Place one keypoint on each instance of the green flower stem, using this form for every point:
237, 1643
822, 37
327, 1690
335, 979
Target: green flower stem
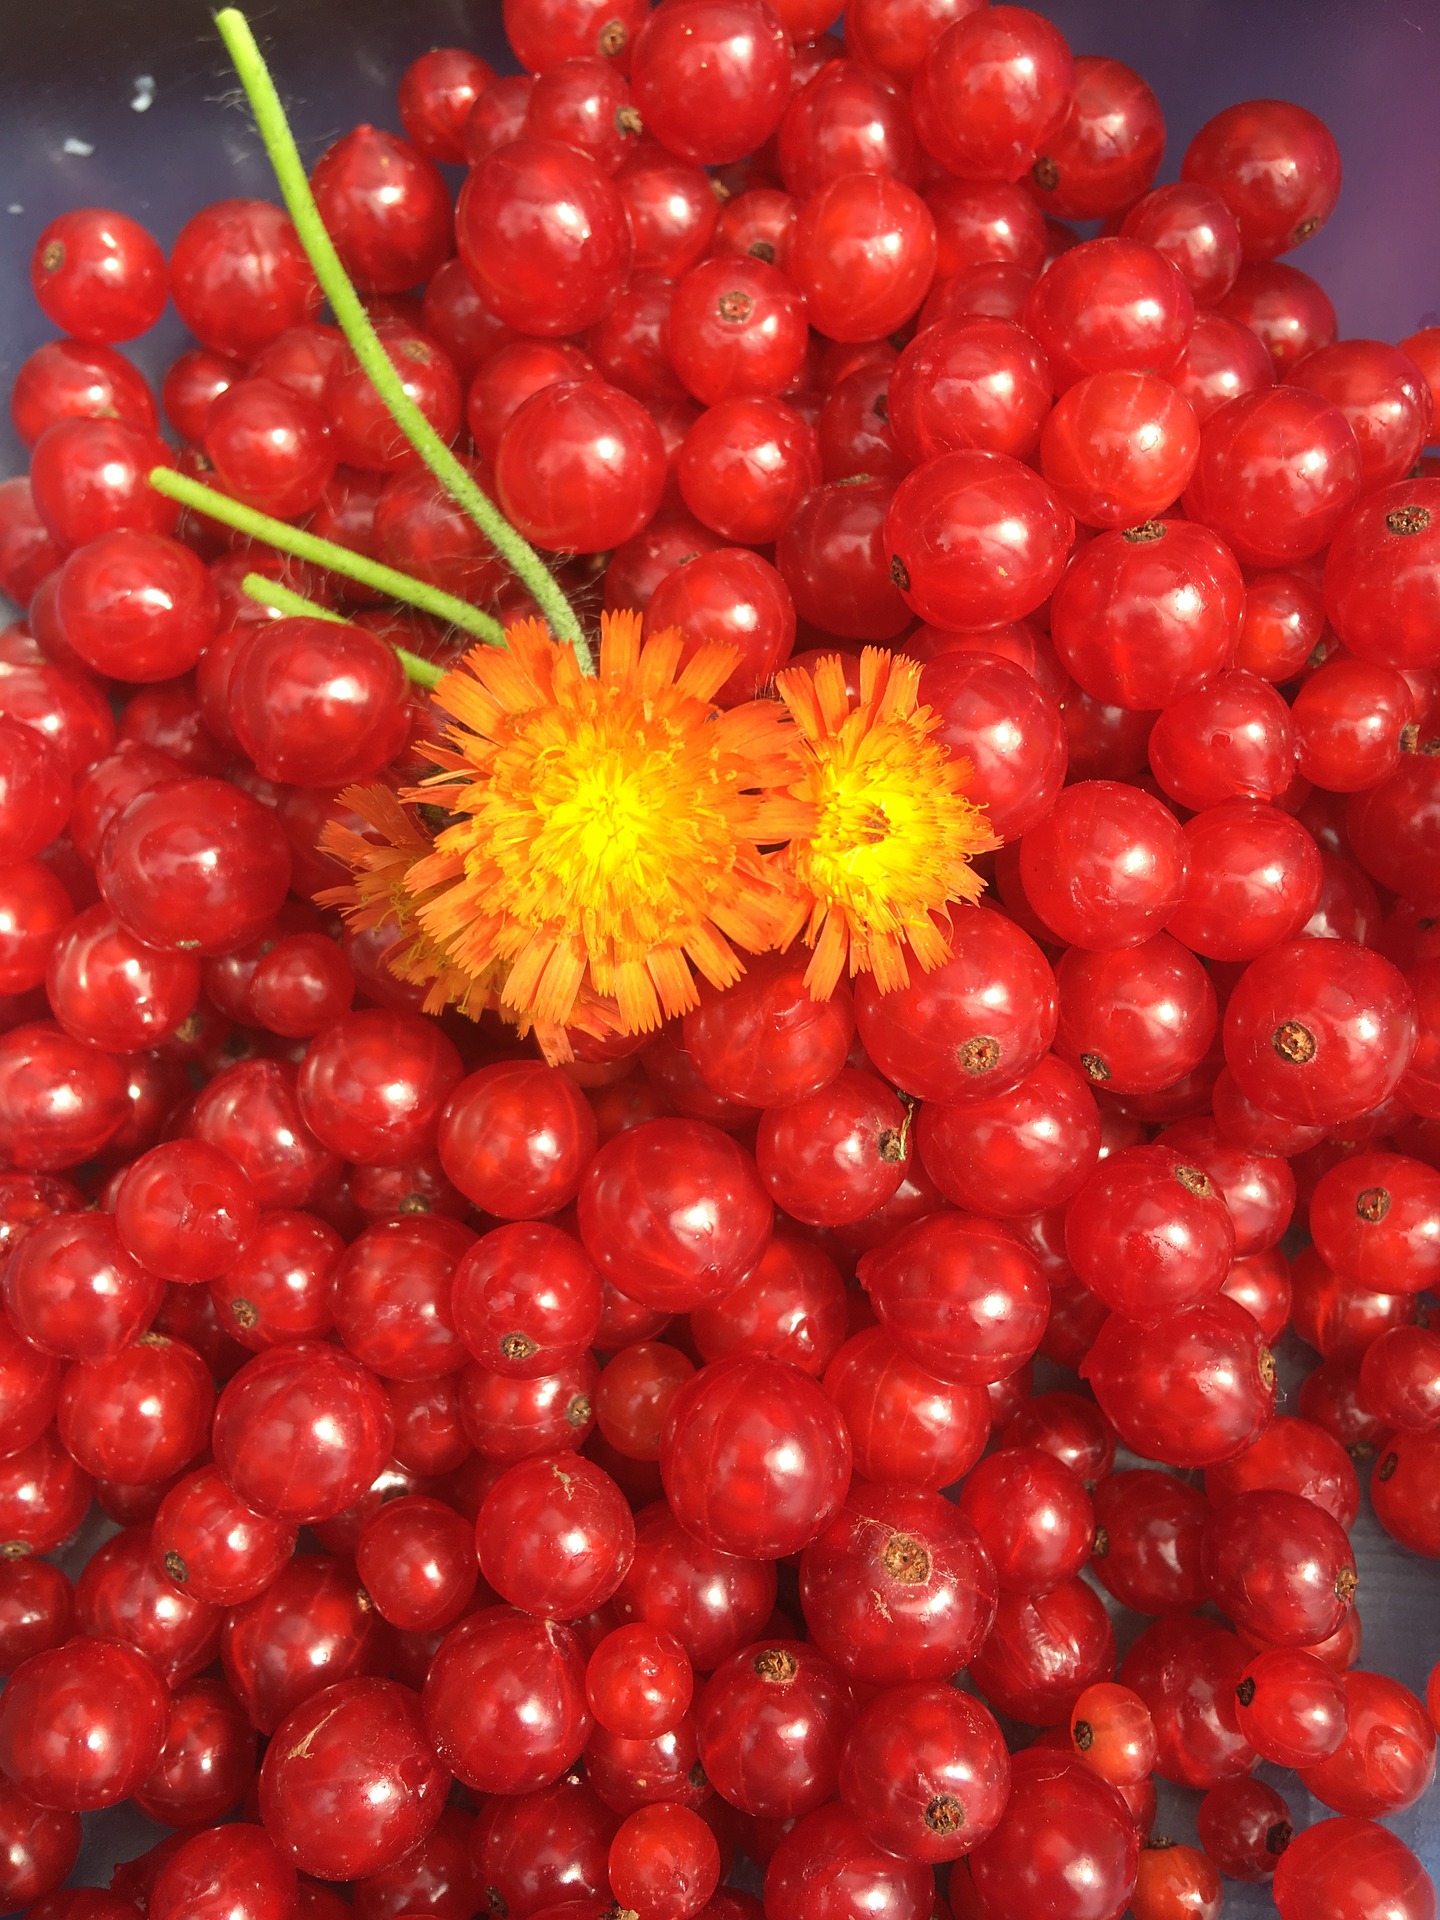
249, 64
324, 553
270, 594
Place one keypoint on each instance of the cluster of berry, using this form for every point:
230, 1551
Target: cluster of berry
664, 1427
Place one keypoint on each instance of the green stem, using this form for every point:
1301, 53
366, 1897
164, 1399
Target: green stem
249, 64
324, 553
270, 593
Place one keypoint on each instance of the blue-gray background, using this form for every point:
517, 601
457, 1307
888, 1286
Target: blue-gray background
143, 85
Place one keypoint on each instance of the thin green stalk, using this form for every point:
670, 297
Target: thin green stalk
324, 553
270, 593
249, 64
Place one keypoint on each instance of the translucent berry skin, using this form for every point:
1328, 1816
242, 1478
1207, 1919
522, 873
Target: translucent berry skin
974, 539
35, 792
1319, 1031
1279, 1566
764, 1041
1275, 165
240, 276
580, 467
743, 469
73, 1291
1339, 1868
713, 1603
833, 557
1193, 1391
993, 88
1386, 1759
1106, 867
526, 1300
91, 477
1402, 1491
1043, 1651
301, 1432
236, 1868
41, 1846
771, 1722
1382, 393
504, 1702
1229, 739
638, 1682
1119, 447
666, 1857
1376, 1217
906, 1426
1350, 720
735, 598
555, 1536
848, 119
833, 1158
197, 866
1186, 1670
1019, 1153
539, 272
930, 1570
711, 78
863, 255
1033, 1516
515, 1138
373, 1086
1277, 474
391, 1294
139, 1417
1064, 1832
1394, 830
973, 1027
1144, 617
960, 1295
1244, 1828
969, 383
184, 1210
1195, 230
925, 1773
1290, 313
350, 1783
824, 1867
507, 1419
674, 1213
212, 1545
1255, 878
1107, 149
316, 704
82, 1726
137, 606
1291, 1707
754, 1458
99, 275
386, 208
1379, 579
737, 327
1400, 1378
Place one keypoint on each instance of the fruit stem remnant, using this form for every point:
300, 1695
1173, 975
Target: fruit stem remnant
269, 593
324, 553
354, 323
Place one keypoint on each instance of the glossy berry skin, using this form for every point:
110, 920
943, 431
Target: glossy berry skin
666, 1857
213, 1546
824, 1868
386, 208
1043, 1651
184, 1210
526, 1300
391, 1293
1350, 719
991, 91
973, 1027
736, 327
1384, 396
1290, 313
226, 1871
735, 598
836, 1156
528, 1848
764, 1041
41, 1846
1255, 878
317, 704
1119, 447
73, 1291
925, 1773
136, 606
1065, 1840
123, 1596
1244, 1828
833, 557
1275, 165
672, 211
139, 1417
580, 467
240, 276
1025, 1150
555, 1536
36, 1610
790, 1306
743, 469
1379, 584
1186, 1670
929, 1568
1279, 1566
771, 1722
504, 1702
974, 539
1106, 151
1230, 739
906, 1426
91, 477
674, 1213
1291, 1707
350, 1783
507, 1419
515, 1138
114, 991
43, 1495
638, 1682
311, 1628
1387, 1757
863, 255
1319, 1031
1376, 1217
1400, 1378
543, 274
1145, 616
196, 866
1106, 867
1033, 1516
1340, 1868
711, 78
1112, 1728
301, 1432
969, 383
35, 791
98, 275
1277, 474
373, 1086
1394, 829
1195, 230
960, 1295
1193, 1391
755, 1459
82, 1726
713, 1603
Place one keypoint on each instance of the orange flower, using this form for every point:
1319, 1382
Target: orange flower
604, 833
891, 832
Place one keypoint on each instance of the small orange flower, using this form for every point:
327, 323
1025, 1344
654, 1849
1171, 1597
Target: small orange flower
891, 832
604, 833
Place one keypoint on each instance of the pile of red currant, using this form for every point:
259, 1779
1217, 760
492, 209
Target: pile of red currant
587, 1492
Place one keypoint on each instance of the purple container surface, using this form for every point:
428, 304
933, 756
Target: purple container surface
130, 104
